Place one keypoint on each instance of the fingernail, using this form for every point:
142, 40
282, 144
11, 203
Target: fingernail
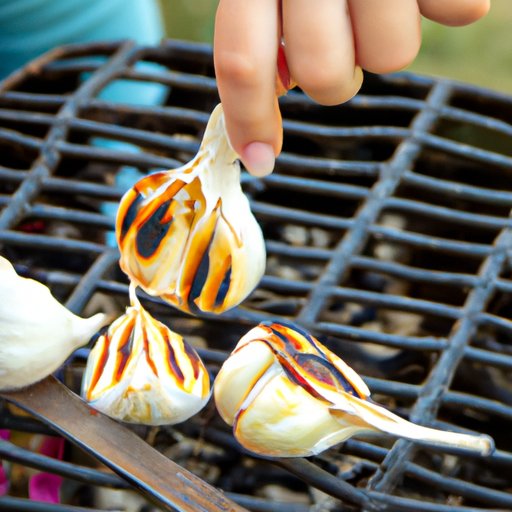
258, 158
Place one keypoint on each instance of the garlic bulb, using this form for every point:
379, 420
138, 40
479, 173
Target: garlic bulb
287, 395
37, 333
188, 235
140, 371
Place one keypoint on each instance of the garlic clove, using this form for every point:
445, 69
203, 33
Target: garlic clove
37, 333
287, 395
188, 235
140, 371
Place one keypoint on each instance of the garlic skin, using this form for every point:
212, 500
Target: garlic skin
140, 371
37, 333
287, 395
188, 235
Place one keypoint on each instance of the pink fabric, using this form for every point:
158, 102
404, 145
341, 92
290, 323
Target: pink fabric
46, 486
4, 479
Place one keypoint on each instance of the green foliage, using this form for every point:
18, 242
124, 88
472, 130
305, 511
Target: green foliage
480, 53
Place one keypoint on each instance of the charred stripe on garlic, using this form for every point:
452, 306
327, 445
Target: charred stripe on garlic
140, 371
188, 235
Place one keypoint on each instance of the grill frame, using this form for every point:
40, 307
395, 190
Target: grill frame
371, 184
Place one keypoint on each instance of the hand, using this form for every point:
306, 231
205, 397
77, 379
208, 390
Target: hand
327, 44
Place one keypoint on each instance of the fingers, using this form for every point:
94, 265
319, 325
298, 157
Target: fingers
320, 49
245, 55
327, 44
454, 12
387, 34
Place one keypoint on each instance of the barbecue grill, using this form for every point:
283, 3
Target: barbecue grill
388, 231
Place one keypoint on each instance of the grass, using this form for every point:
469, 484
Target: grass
480, 53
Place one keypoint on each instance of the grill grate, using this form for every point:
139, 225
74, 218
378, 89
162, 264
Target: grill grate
388, 236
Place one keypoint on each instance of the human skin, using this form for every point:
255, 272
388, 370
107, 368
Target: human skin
327, 43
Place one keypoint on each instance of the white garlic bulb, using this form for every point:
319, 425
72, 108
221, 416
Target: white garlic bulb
188, 235
287, 395
37, 333
140, 371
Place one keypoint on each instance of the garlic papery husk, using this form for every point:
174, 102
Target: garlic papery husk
188, 235
287, 395
140, 371
37, 333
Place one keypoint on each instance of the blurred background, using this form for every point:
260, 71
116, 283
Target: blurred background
480, 53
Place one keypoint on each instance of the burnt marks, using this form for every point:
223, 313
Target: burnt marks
131, 214
151, 234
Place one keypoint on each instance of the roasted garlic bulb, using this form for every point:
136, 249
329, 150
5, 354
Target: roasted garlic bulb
37, 333
140, 371
188, 235
287, 395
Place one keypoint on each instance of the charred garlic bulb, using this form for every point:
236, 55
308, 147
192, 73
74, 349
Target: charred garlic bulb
188, 235
287, 395
37, 333
140, 371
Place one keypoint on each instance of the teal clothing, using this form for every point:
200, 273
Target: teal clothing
29, 28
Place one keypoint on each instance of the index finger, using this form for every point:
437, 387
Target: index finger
245, 55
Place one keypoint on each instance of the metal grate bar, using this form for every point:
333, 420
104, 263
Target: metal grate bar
31, 99
52, 184
377, 219
293, 183
414, 274
87, 285
495, 321
26, 141
459, 190
304, 164
464, 116
504, 285
431, 242
394, 301
11, 504
465, 150
442, 374
106, 130
90, 476
448, 214
367, 102
60, 213
450, 399
304, 469
13, 453
48, 242
319, 131
398, 504
388, 267
374, 500
361, 100
491, 358
49, 153
263, 505
353, 241
117, 157
285, 214
431, 478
